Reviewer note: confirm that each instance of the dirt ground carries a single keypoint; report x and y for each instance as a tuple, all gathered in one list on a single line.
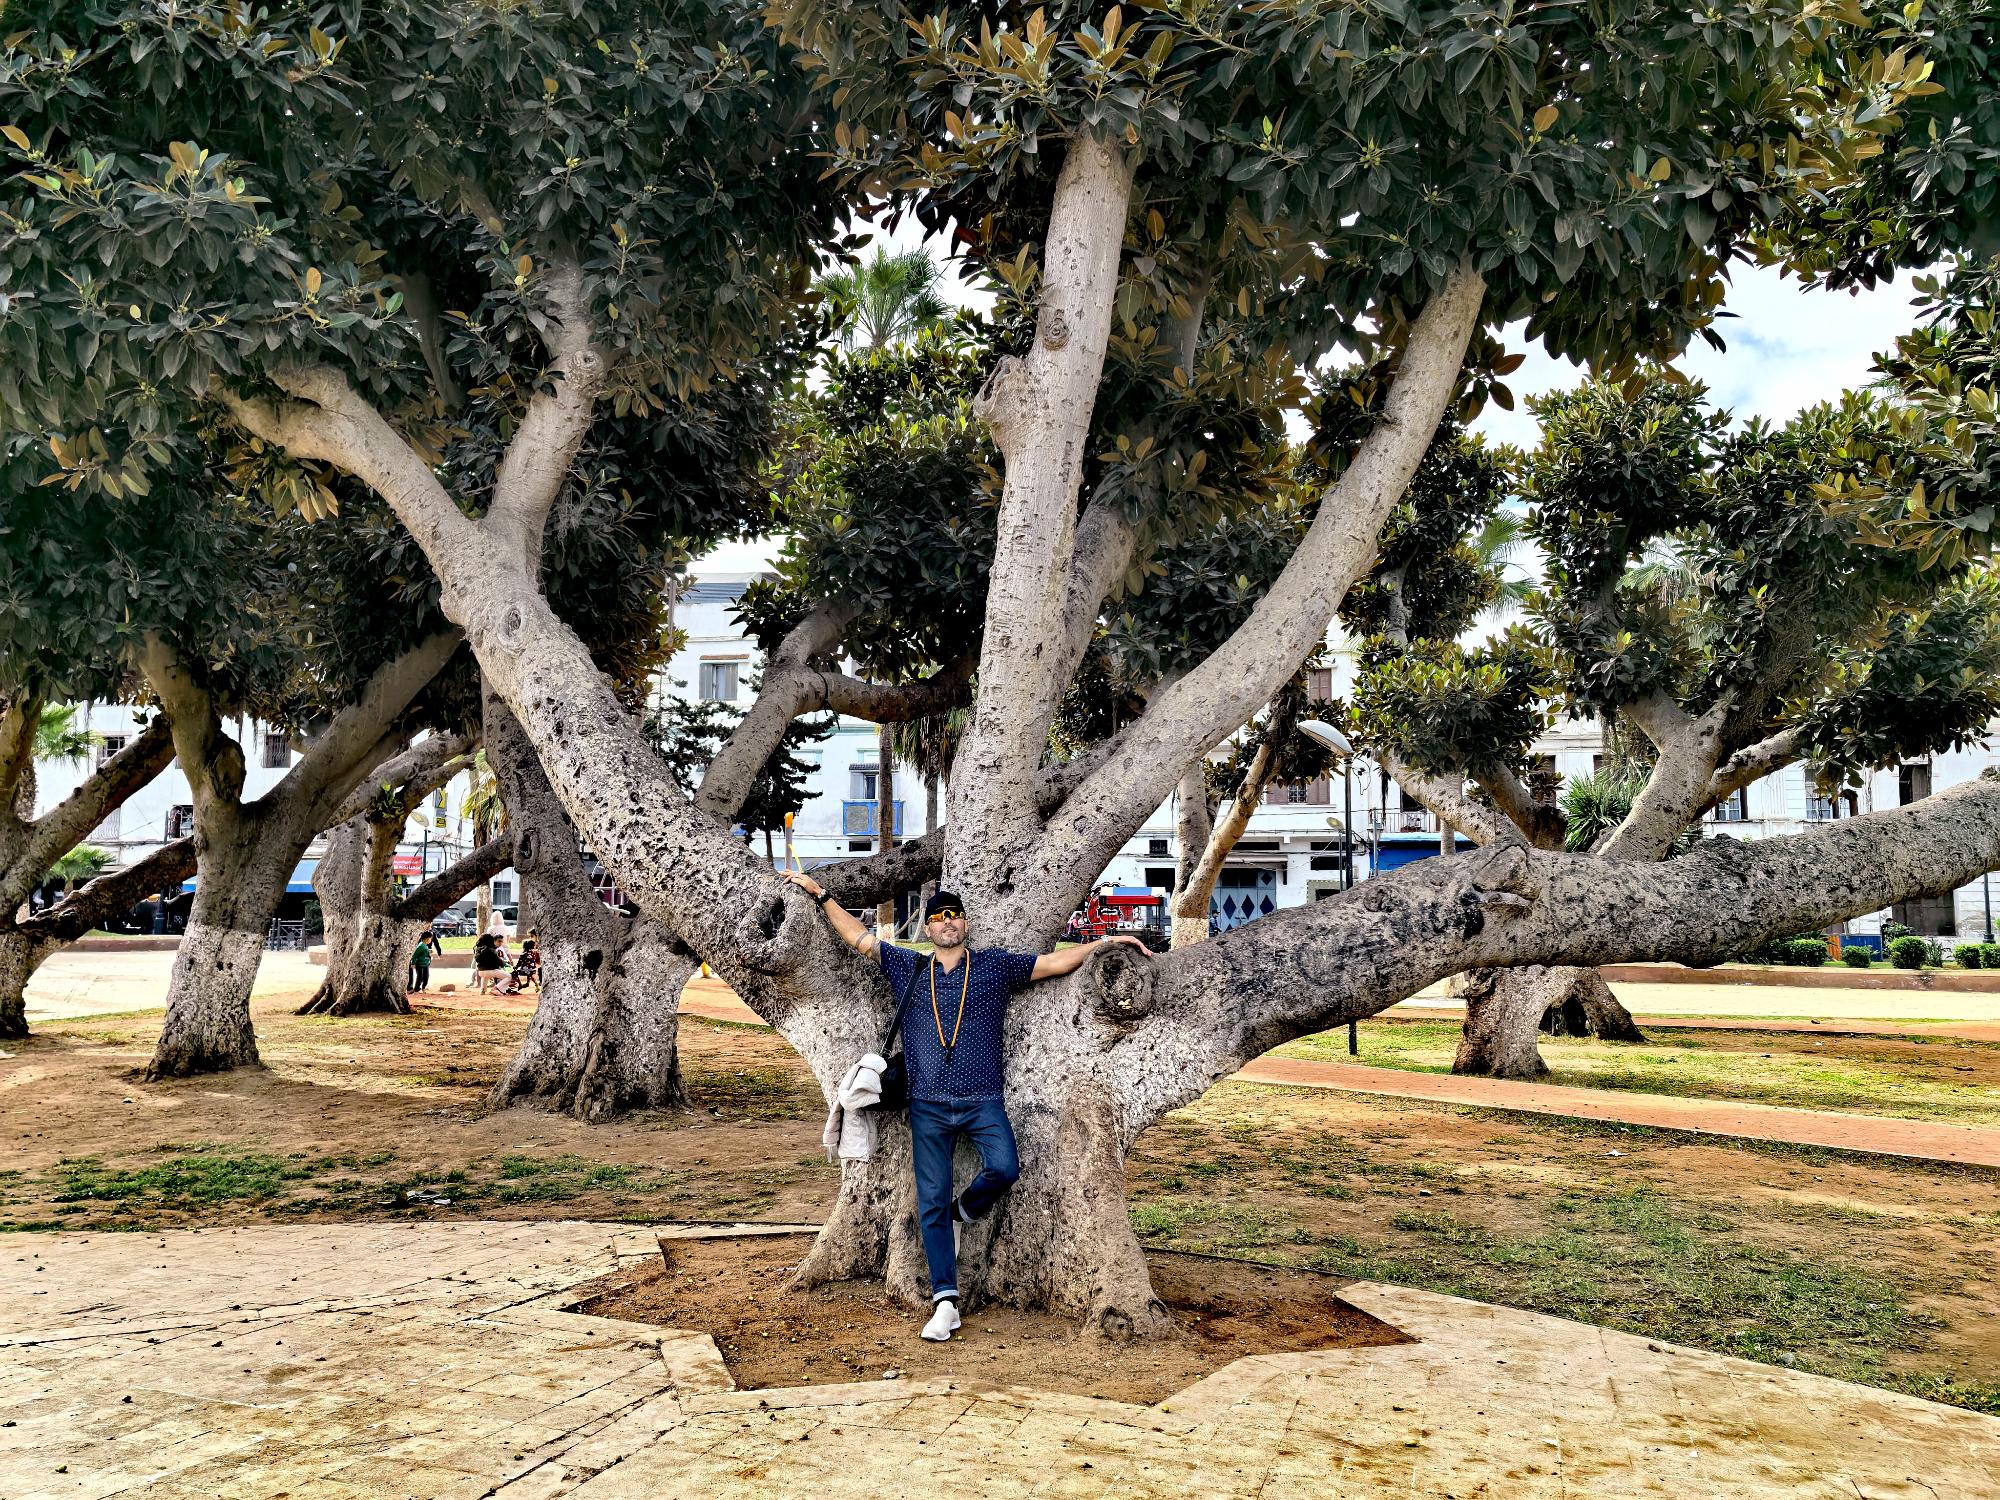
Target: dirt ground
[(1860, 1267), (850, 1331)]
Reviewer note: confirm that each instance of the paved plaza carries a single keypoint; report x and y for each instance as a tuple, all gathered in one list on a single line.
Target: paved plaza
[(437, 1361)]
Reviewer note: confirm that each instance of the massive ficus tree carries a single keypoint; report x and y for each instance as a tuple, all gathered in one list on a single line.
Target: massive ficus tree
[(1714, 590), (625, 220)]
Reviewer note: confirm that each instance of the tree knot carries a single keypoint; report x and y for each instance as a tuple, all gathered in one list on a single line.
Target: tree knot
[(1001, 399), (1126, 992), (1054, 329)]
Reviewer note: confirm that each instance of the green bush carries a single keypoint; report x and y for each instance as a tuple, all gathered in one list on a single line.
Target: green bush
[(1807, 953), (1786, 950), (1933, 954), (1969, 955), (1989, 955), (1893, 930), (1908, 952), (1857, 955)]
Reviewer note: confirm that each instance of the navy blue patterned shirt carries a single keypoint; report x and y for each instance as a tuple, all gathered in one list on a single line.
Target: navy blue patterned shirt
[(971, 1070)]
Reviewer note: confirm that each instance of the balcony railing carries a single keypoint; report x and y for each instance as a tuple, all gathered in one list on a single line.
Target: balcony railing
[(857, 819), (1412, 820)]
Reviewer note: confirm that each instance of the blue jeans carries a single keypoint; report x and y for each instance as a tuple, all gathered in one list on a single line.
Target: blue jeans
[(935, 1126)]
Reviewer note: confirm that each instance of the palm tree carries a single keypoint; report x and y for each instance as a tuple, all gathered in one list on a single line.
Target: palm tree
[(57, 736), (83, 863), (1499, 545), (888, 300)]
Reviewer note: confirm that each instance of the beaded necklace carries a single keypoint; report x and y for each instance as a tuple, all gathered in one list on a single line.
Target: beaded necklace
[(937, 1015)]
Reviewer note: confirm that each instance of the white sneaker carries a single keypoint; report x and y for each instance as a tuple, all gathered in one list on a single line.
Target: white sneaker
[(943, 1323)]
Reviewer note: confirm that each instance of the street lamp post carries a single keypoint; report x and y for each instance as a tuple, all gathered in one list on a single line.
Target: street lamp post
[(1986, 887)]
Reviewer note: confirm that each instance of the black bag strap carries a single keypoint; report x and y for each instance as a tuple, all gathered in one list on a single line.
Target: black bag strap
[(902, 1004)]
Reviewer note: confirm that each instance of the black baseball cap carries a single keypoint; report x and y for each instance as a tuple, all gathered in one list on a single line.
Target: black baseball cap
[(943, 901)]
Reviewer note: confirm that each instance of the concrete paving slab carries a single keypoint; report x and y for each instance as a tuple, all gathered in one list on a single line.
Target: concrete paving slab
[(479, 1388)]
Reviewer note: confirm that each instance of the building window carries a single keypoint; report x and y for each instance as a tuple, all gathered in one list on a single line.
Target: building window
[(109, 830), (1160, 876), (1913, 783), (1319, 684), (503, 893), (109, 745), (864, 781), (1156, 848), (1301, 794), (718, 681), (277, 749), (1735, 808), (1826, 809), (180, 821)]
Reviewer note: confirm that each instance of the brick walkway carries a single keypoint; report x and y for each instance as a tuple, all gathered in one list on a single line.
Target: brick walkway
[(435, 1361)]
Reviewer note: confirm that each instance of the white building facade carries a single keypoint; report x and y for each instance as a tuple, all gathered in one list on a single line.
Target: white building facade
[(1295, 850)]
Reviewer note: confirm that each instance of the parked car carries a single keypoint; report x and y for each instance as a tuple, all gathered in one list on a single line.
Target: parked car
[(453, 924)]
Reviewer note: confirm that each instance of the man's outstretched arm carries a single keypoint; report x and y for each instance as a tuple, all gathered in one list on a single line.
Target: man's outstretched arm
[(845, 924), (1069, 960)]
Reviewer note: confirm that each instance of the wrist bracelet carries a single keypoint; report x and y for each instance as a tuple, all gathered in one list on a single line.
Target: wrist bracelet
[(823, 897)]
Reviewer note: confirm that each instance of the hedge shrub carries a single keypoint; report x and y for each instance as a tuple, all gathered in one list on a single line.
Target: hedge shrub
[(1909, 952), (1857, 955), (1806, 952), (1969, 955)]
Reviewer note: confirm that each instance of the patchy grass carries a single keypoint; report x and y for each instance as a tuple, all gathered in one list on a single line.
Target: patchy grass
[(1923, 1078), (1856, 1268)]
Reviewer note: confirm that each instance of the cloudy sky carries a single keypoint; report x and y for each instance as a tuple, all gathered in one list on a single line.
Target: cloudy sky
[(1788, 348)]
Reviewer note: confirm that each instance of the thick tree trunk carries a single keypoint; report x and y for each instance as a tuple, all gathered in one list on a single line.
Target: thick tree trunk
[(239, 882), (1062, 1237), (374, 978), (339, 885), (604, 1038), (20, 956), (1590, 1009), (1506, 1010)]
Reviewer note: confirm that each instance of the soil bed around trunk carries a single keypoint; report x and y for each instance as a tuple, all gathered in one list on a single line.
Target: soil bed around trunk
[(734, 1289)]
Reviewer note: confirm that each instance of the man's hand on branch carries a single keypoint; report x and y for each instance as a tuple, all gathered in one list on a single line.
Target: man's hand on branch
[(804, 882)]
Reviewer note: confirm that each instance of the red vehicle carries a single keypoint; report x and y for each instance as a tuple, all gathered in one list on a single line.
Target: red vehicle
[(1136, 909)]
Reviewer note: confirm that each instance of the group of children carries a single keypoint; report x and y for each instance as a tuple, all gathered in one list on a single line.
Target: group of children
[(492, 971)]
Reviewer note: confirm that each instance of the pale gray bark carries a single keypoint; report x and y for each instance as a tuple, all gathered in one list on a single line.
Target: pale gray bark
[(604, 1038), (237, 890), (369, 934), (1193, 825), (1189, 717), (30, 845), (107, 897), (1038, 409), (20, 956), (247, 851)]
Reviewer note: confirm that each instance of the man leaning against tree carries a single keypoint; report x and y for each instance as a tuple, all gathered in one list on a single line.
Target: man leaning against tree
[(951, 1036)]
